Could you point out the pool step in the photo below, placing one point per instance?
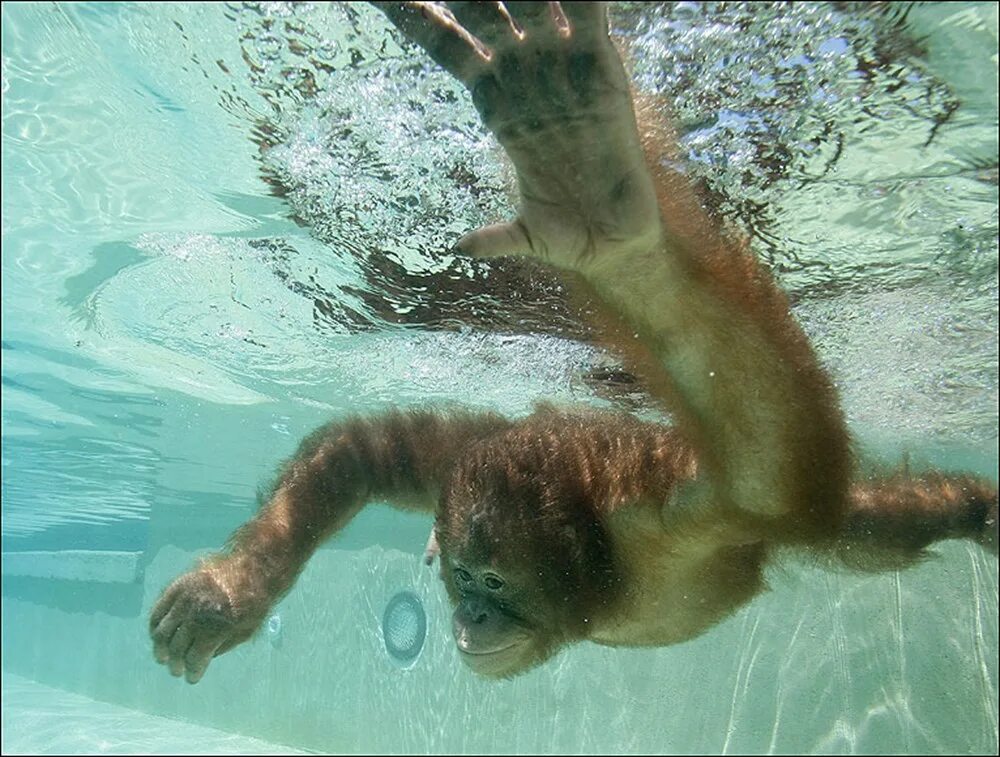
(38, 719)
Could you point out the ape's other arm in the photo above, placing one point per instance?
(399, 456)
(890, 521)
(601, 198)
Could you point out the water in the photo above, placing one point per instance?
(225, 223)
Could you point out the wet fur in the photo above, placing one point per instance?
(599, 513)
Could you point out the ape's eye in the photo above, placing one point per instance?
(463, 575)
(493, 582)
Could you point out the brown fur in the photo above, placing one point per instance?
(814, 478)
(555, 480)
(595, 516)
(891, 521)
(595, 521)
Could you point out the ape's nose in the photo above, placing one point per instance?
(473, 611)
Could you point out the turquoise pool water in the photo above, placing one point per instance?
(224, 224)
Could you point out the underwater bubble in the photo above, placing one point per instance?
(269, 46)
(274, 631)
(327, 49)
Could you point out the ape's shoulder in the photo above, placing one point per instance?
(577, 456)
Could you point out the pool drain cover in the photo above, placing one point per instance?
(404, 627)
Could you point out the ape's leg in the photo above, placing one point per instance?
(890, 521)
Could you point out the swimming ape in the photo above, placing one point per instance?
(577, 525)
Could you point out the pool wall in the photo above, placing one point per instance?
(824, 663)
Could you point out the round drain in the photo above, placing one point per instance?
(404, 628)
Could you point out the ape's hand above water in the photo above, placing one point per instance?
(549, 83)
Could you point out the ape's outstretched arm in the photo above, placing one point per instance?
(399, 456)
(598, 199)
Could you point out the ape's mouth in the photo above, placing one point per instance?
(482, 646)
(485, 652)
(496, 662)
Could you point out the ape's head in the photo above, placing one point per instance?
(524, 556)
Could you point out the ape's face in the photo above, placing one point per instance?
(524, 555)
(520, 596)
(500, 625)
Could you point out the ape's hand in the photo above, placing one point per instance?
(201, 615)
(549, 83)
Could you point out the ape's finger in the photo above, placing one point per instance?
(162, 606)
(198, 657)
(991, 527)
(490, 22)
(437, 31)
(178, 648)
(587, 19)
(432, 548)
(230, 643)
(498, 240)
(539, 20)
(165, 631)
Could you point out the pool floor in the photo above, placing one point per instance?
(38, 719)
